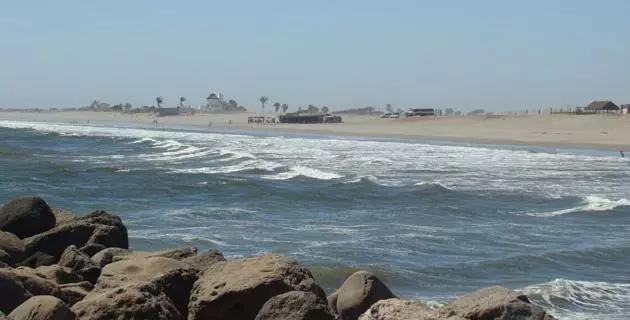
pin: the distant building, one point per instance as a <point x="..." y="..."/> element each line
<point x="163" y="112"/>
<point x="625" y="108"/>
<point x="601" y="106"/>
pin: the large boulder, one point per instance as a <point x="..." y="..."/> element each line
<point x="58" y="274"/>
<point x="295" y="305"/>
<point x="92" y="249"/>
<point x="42" y="308"/>
<point x="203" y="261"/>
<point x="62" y="216"/>
<point x="13" y="292"/>
<point x="98" y="227"/>
<point x="106" y="256"/>
<point x="13" y="246"/>
<point x="5" y="258"/>
<point x="237" y="289"/>
<point x="169" y="277"/>
<point x="496" y="303"/>
<point x="80" y="263"/>
<point x="358" y="292"/>
<point x="140" y="300"/>
<point x="395" y="309"/>
<point x="38" y="259"/>
<point x="26" y="217"/>
<point x="36" y="285"/>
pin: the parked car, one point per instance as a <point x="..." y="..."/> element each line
<point x="391" y="115"/>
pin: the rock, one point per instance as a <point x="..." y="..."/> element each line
<point x="205" y="260"/>
<point x="42" y="308"/>
<point x="106" y="256"/>
<point x="332" y="301"/>
<point x="237" y="289"/>
<point x="13" y="246"/>
<point x="38" y="259"/>
<point x="35" y="284"/>
<point x="92" y="249"/>
<point x="58" y="274"/>
<point x="131" y="301"/>
<point x="62" y="216"/>
<point x="98" y="227"/>
<point x="395" y="309"/>
<point x="177" y="254"/>
<point x="295" y="305"/>
<point x="80" y="263"/>
<point x="13" y="292"/>
<point x="358" y="293"/>
<point x="26" y="217"/>
<point x="5" y="257"/>
<point x="171" y="277"/>
<point x="496" y="303"/>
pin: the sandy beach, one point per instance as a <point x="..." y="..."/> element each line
<point x="604" y="132"/>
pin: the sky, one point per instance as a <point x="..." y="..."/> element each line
<point x="492" y="54"/>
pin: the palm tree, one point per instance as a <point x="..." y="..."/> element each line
<point x="159" y="101"/>
<point x="181" y="101"/>
<point x="285" y="107"/>
<point x="277" y="105"/>
<point x="263" y="100"/>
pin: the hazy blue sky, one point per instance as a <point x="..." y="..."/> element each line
<point x="465" y="54"/>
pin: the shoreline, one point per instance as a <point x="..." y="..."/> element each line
<point x="592" y="132"/>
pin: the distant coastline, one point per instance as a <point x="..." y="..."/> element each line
<point x="599" y="132"/>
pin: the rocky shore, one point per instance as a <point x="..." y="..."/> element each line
<point x="56" y="266"/>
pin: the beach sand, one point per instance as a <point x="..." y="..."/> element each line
<point x="604" y="132"/>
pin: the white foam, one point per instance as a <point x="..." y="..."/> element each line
<point x="589" y="204"/>
<point x="301" y="171"/>
<point x="568" y="299"/>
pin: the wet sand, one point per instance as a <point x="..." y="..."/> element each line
<point x="604" y="132"/>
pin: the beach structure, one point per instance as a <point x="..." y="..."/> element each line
<point x="164" y="112"/>
<point x="601" y="106"/>
<point x="309" y="118"/>
<point x="412" y="112"/>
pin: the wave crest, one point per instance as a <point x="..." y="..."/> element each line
<point x="589" y="204"/>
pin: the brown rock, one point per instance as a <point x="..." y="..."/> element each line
<point x="205" y="260"/>
<point x="295" y="305"/>
<point x="26" y="217"/>
<point x="38" y="259"/>
<point x="42" y="308"/>
<point x="496" y="303"/>
<point x="13" y="246"/>
<point x="238" y="289"/>
<point x="358" y="293"/>
<point x="62" y="216"/>
<point x="395" y="309"/>
<point x="80" y="263"/>
<point x="106" y="256"/>
<point x="92" y="249"/>
<point x="169" y="276"/>
<point x="332" y="302"/>
<point x="131" y="301"/>
<point x="98" y="227"/>
<point x="5" y="257"/>
<point x="58" y="274"/>
<point x="35" y="284"/>
<point x="13" y="292"/>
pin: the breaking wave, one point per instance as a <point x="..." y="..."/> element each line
<point x="582" y="299"/>
<point x="589" y="204"/>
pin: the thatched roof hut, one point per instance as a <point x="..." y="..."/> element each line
<point x="602" y="106"/>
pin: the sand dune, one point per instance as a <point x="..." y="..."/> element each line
<point x="608" y="132"/>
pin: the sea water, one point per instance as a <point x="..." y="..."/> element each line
<point x="432" y="219"/>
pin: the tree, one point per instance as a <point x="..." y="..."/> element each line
<point x="324" y="109"/>
<point x="263" y="100"/>
<point x="449" y="111"/>
<point x="94" y="104"/>
<point x="312" y="108"/>
<point x="389" y="108"/>
<point x="285" y="107"/>
<point x="128" y="106"/>
<point x="181" y="101"/>
<point x="159" y="101"/>
<point x="277" y="105"/>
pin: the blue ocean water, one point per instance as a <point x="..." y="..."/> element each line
<point x="433" y="220"/>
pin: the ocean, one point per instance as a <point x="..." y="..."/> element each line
<point x="432" y="219"/>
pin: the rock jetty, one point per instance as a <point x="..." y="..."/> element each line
<point x="54" y="266"/>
